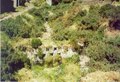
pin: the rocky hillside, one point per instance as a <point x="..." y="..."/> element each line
<point x="67" y="41"/>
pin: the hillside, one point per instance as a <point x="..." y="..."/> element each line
<point x="68" y="41"/>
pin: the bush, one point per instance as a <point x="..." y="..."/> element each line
<point x="107" y="10"/>
<point x="101" y="51"/>
<point x="23" y="26"/>
<point x="53" y="60"/>
<point x="67" y="1"/>
<point x="57" y="60"/>
<point x="10" y="27"/>
<point x="74" y="60"/>
<point x="58" y="32"/>
<point x="83" y="13"/>
<point x="91" y="21"/>
<point x="104" y="56"/>
<point x="16" y="27"/>
<point x="114" y="41"/>
<point x="38" y="3"/>
<point x="40" y="54"/>
<point x="17" y="61"/>
<point x="36" y="43"/>
<point x="12" y="63"/>
<point x="5" y="52"/>
<point x="22" y="48"/>
<point x="48" y="61"/>
<point x="110" y="11"/>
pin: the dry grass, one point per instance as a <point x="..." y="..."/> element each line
<point x="100" y="76"/>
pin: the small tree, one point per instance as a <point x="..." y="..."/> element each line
<point x="36" y="43"/>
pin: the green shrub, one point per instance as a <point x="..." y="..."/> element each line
<point x="5" y="52"/>
<point x="103" y="55"/>
<point x="12" y="63"/>
<point x="57" y="60"/>
<point x="40" y="53"/>
<point x="48" y="61"/>
<point x="101" y="51"/>
<point x="110" y="11"/>
<point x="10" y="27"/>
<point x="16" y="27"/>
<point x="83" y="13"/>
<point x="22" y="48"/>
<point x="67" y="1"/>
<point x="74" y="59"/>
<point x="107" y="10"/>
<point x="38" y="3"/>
<point x="58" y="31"/>
<point x="23" y="26"/>
<point x="17" y="61"/>
<point x="114" y="41"/>
<point x="102" y="65"/>
<point x="91" y="21"/>
<point x="36" y="43"/>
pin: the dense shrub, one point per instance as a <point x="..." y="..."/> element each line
<point x="17" y="61"/>
<point x="36" y="43"/>
<point x="11" y="60"/>
<point x="10" y="27"/>
<point x="74" y="59"/>
<point x="53" y="60"/>
<point x="57" y="60"/>
<point x="16" y="27"/>
<point x="40" y="54"/>
<point x="5" y="51"/>
<point x="67" y="1"/>
<point x="83" y="13"/>
<point x="107" y="10"/>
<point x="61" y="35"/>
<point x="38" y="3"/>
<point x="104" y="56"/>
<point x="58" y="31"/>
<point x="79" y="17"/>
<point x="22" y="48"/>
<point x="23" y="26"/>
<point x="100" y="51"/>
<point x="91" y="21"/>
<point x="48" y="61"/>
<point x="114" y="41"/>
<point x="110" y="11"/>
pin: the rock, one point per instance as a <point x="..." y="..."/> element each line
<point x="83" y="60"/>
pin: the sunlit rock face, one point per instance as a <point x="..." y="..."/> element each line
<point x="7" y="6"/>
<point x="49" y="2"/>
